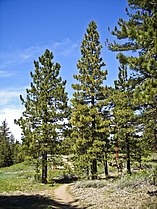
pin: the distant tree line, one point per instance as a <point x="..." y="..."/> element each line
<point x="99" y="121"/>
<point x="9" y="147"/>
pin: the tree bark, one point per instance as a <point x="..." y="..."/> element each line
<point x="94" y="162"/>
<point x="106" y="166"/>
<point x="94" y="169"/>
<point x="128" y="155"/>
<point x="44" y="167"/>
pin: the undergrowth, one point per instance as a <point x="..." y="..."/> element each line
<point x="138" y="190"/>
<point x="21" y="178"/>
<point x="91" y="184"/>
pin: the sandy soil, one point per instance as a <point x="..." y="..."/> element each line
<point x="59" y="198"/>
<point x="62" y="195"/>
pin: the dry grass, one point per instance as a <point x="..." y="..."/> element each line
<point x="128" y="192"/>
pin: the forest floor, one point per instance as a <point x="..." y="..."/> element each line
<point x="56" y="198"/>
<point x="91" y="195"/>
<point x="126" y="193"/>
<point x="18" y="190"/>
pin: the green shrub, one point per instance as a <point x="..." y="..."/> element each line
<point x="91" y="183"/>
<point x="135" y="180"/>
<point x="37" y="177"/>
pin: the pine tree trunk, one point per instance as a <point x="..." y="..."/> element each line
<point x="94" y="169"/>
<point x="106" y="166"/>
<point x="87" y="173"/>
<point x="44" y="167"/>
<point x="128" y="154"/>
<point x="94" y="162"/>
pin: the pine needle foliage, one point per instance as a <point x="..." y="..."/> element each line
<point x="45" y="111"/>
<point x="138" y="51"/>
<point x="6" y="145"/>
<point x="88" y="104"/>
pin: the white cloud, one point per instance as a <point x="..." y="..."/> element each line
<point x="15" y="57"/>
<point x="10" y="96"/>
<point x="10" y="114"/>
<point x="29" y="53"/>
<point x="5" y="74"/>
<point x="11" y="108"/>
<point x="18" y="56"/>
<point x="65" y="48"/>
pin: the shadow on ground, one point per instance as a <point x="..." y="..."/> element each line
<point x="66" y="179"/>
<point x="31" y="202"/>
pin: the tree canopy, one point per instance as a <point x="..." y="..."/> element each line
<point x="100" y="118"/>
<point x="45" y="110"/>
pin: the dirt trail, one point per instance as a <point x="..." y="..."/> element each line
<point x="62" y="195"/>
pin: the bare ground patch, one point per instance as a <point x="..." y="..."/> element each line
<point x="112" y="196"/>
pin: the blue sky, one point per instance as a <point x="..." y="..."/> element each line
<point x="28" y="27"/>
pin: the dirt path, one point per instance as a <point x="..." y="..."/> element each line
<point x="63" y="196"/>
<point x="59" y="198"/>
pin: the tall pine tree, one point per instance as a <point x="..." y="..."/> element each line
<point x="45" y="110"/>
<point x="138" y="36"/>
<point x="87" y="120"/>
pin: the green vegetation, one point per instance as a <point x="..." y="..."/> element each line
<point x="88" y="115"/>
<point x="134" y="103"/>
<point x="19" y="178"/>
<point x="22" y="178"/>
<point x="107" y="133"/>
<point x="9" y="148"/>
<point x="19" y="189"/>
<point x="45" y="111"/>
<point x="129" y="191"/>
<point x="103" y="128"/>
<point x="18" y="181"/>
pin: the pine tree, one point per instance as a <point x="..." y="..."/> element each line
<point x="140" y="33"/>
<point x="149" y="127"/>
<point x="17" y="153"/>
<point x="138" y="36"/>
<point x="6" y="158"/>
<point x="87" y="104"/>
<point x="45" y="110"/>
<point x="124" y="117"/>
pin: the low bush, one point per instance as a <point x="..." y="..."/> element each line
<point x="91" y="184"/>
